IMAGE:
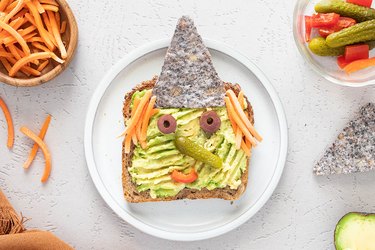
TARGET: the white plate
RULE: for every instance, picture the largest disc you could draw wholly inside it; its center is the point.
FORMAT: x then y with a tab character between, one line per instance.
184	220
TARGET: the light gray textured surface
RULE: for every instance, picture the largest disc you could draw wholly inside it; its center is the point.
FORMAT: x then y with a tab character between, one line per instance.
304	209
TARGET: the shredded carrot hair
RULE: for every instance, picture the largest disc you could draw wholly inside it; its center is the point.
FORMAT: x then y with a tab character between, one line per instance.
9	120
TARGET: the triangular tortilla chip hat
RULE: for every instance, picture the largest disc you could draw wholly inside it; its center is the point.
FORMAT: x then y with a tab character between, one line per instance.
188	78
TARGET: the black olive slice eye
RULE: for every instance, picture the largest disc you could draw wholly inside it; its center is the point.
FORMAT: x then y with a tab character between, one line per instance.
167	124
210	122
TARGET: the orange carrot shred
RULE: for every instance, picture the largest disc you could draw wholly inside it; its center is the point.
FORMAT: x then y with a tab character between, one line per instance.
25	69
238	121
58	20
20	14
35	148
17	36
42	65
30	18
44	148
14	51
242	115
63	27
40	46
39	7
9	120
22	62
138	130
3	4
56	34
14	11
245	148
359	65
6	64
146	120
51	2
49	7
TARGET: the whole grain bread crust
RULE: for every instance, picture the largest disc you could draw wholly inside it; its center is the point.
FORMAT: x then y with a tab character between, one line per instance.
131	194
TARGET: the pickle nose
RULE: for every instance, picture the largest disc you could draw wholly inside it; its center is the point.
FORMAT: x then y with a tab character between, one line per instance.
190	148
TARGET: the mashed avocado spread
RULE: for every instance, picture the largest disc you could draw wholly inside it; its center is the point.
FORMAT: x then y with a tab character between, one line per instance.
151	168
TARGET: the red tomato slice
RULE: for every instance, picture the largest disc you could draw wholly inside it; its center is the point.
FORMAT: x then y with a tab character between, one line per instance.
366	3
342	62
184	178
308	27
344	22
356	52
324	20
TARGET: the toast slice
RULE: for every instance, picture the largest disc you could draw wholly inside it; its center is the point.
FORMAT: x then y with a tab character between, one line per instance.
131	193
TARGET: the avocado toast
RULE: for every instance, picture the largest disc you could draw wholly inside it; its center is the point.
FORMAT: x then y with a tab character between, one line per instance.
188	134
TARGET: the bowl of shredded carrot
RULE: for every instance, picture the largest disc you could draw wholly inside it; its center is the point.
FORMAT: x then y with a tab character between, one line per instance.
38	40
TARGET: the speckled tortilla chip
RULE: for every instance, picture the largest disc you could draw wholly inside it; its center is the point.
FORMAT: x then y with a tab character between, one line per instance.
188	78
354	149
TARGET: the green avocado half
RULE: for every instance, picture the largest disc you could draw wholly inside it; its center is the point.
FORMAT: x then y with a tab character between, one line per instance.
355	231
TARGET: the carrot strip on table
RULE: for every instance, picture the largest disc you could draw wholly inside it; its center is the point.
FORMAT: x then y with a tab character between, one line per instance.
35	148
49	7
17	36
63	27
45	150
22	62
9	120
359	65
146	120
242	115
39	24
56	34
42	65
238	121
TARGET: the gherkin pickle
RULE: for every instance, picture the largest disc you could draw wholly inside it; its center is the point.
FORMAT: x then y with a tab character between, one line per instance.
357	12
188	147
319	47
361	32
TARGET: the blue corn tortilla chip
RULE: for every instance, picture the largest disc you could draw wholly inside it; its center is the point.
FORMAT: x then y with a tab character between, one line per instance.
188	78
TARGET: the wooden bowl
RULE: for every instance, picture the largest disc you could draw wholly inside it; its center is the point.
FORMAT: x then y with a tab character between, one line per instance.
70	38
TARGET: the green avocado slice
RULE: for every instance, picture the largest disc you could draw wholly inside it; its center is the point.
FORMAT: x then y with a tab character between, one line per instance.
355	231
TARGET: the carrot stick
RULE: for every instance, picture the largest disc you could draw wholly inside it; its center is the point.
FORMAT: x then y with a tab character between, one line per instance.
35	148
25	69
146	120
9	120
5	54
35	39
245	148
238	121
39	7
43	146
49	28
3	4
23	33
42	65
6	64
238	130
56	34
11	6
138	130
17	36
51	2
154	112
134	139
50	7
39	25
35	56
14	51
138	112
30	18
63	27
40	46
20	14
359	65
58	20
14	11
242	114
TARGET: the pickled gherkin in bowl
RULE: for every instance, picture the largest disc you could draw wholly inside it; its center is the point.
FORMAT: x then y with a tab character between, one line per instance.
337	38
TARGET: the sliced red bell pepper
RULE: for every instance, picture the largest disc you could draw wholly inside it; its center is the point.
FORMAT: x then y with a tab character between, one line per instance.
359	65
366	3
342	62
184	178
356	52
324	20
343	22
308	27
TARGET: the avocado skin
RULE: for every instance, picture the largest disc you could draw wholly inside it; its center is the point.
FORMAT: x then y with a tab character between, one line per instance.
346	219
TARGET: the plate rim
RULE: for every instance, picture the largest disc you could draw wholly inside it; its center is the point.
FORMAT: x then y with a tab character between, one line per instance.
104	193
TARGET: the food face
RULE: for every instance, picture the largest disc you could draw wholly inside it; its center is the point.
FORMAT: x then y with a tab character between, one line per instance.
177	139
